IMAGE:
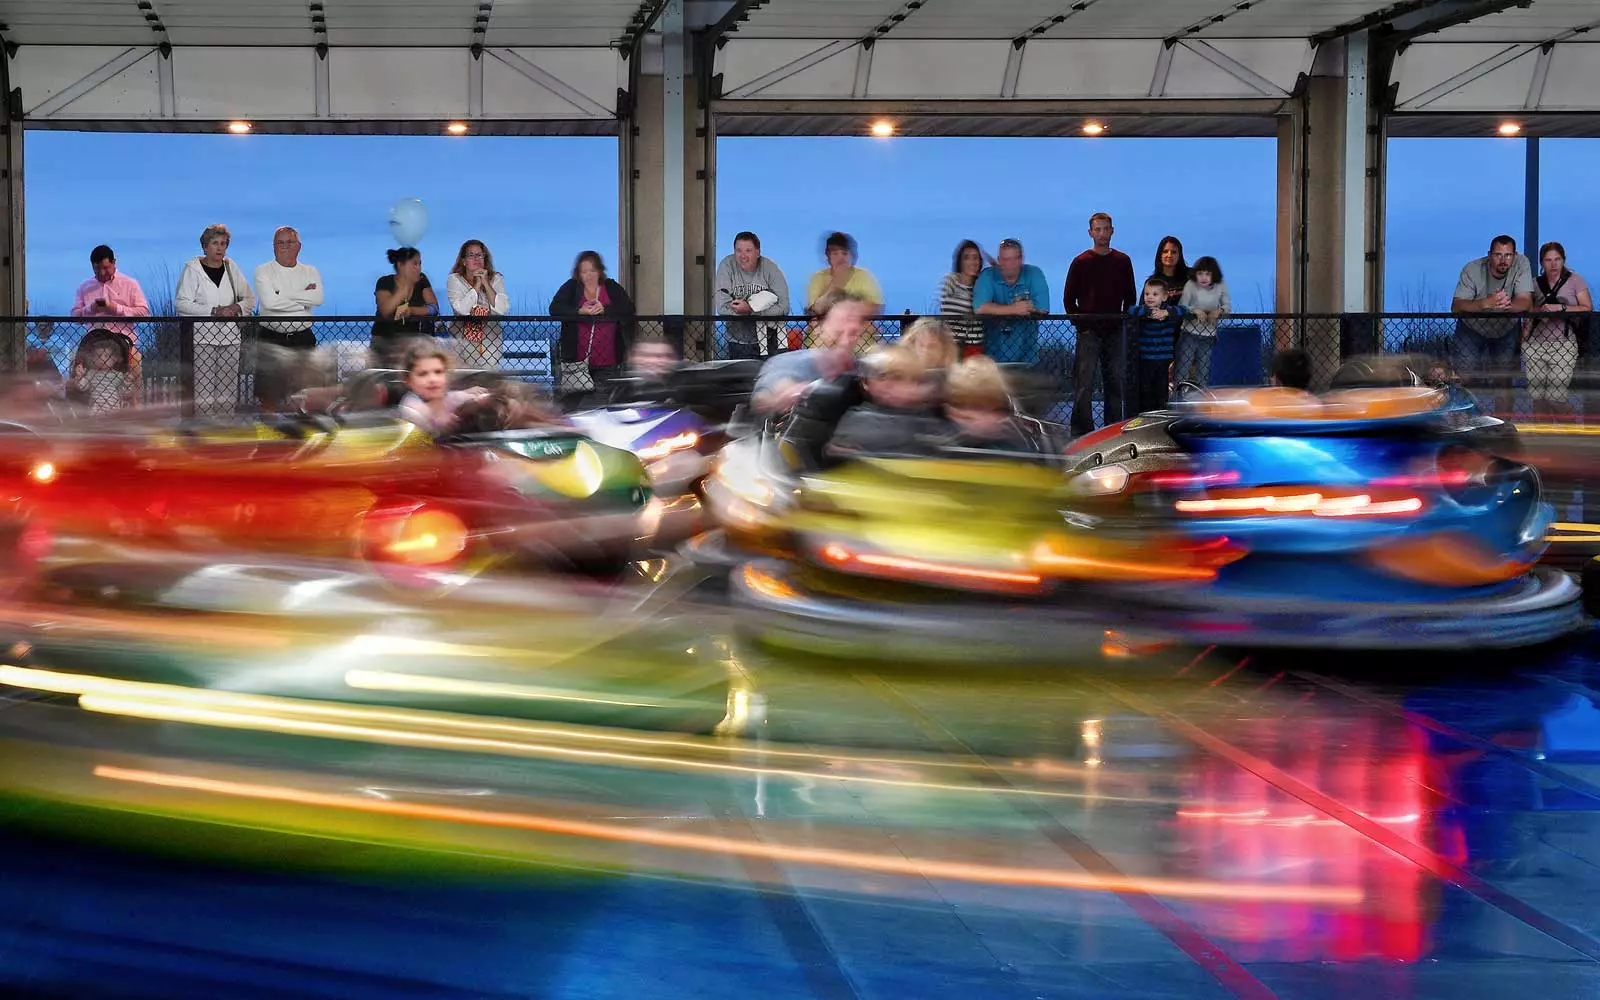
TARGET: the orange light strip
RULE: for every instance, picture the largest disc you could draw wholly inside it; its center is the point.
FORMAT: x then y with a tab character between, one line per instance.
841	555
926	868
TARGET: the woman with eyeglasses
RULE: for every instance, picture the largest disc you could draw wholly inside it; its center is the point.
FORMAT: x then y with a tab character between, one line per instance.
476	291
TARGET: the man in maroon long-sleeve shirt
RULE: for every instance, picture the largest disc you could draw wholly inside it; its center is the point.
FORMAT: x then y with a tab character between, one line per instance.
1098	296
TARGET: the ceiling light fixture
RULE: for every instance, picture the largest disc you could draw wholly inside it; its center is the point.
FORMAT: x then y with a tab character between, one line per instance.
457	128
240	128
1093	128
883	129
1510	128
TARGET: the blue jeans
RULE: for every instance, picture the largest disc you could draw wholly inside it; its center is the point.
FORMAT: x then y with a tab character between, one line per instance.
1487	362
1194	359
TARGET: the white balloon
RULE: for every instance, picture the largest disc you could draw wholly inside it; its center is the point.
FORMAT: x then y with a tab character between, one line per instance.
408	221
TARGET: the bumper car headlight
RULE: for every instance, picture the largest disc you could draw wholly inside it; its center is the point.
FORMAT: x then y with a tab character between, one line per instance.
1102	480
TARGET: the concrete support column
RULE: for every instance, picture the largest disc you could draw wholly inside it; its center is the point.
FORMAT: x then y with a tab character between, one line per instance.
13	261
668	156
1330	226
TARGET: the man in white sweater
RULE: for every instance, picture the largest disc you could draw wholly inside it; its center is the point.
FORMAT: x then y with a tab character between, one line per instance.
289	292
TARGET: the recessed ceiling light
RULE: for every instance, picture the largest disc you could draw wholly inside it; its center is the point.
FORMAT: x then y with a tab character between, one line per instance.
240	128
1093	128
1510	128
883	129
457	128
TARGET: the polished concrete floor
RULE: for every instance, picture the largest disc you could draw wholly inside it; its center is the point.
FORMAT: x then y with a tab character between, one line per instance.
1255	828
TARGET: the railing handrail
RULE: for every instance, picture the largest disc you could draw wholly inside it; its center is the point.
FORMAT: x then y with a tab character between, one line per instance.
719	317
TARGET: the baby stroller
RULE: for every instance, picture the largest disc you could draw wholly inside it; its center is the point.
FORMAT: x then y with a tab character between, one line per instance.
104	372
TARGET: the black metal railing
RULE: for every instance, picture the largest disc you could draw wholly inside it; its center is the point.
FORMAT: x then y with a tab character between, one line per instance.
1537	368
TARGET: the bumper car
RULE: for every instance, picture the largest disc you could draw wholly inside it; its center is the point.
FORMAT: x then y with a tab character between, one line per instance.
364	489
948	555
675	427
1365	520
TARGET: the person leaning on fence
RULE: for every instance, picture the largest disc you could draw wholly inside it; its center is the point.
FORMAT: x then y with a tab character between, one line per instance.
593	310
477	291
749	284
406	307
1490	294
1009	296
1561	307
955	297
106	300
1206	298
213	291
1156	321
290	292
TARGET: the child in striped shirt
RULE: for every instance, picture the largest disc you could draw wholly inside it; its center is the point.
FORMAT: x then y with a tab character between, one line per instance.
1155	327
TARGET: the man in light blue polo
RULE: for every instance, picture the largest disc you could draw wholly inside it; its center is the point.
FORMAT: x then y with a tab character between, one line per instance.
1008	295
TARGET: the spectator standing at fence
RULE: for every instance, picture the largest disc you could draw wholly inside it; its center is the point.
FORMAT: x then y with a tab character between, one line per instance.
477	291
842	276
1206	300
1099	292
406	304
1156	322
1171	268
955	298
290	292
109	297
213	289
1491	292
590	306
1562	305
749	284
1008	296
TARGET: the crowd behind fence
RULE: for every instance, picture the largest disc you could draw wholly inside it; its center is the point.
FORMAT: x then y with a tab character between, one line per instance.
529	348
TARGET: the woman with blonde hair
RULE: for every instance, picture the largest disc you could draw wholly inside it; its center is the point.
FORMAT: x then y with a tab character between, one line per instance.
476	290
213	290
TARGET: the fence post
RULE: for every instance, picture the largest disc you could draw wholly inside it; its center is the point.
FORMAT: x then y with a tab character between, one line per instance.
186	368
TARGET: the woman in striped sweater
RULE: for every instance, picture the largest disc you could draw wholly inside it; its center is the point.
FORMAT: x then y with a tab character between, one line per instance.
955	298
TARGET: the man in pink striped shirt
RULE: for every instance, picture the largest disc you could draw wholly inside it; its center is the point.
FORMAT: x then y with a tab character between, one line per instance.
109	294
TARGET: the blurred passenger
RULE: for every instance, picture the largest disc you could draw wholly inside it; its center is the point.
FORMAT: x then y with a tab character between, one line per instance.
1291	369
1207	300
212	286
509	406
111	294
1099	292
749	284
978	402
898	417
784	377
1008	295
1171	268
430	404
931	340
590	307
476	291
406	307
290	292
842	276
1491	289
955	298
1156	322
1550	342
651	361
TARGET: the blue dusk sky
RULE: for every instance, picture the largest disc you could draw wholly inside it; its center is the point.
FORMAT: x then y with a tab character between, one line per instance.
537	201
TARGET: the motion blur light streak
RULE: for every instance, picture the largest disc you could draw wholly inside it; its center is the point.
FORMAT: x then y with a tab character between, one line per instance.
44	472
377	680
1302	503
926	868
163	711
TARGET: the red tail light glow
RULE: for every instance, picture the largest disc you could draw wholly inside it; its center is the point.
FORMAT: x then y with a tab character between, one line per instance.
1316	504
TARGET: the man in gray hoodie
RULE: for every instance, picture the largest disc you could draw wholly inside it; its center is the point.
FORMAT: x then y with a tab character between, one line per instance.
749	284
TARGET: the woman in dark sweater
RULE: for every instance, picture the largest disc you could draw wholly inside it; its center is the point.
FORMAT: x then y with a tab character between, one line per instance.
406	306
593	310
1171	268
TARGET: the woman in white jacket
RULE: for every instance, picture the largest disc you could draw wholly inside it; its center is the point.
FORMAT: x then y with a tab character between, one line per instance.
476	290
212	286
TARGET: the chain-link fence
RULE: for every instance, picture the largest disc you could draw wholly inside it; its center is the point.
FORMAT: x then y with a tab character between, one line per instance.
1541	365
